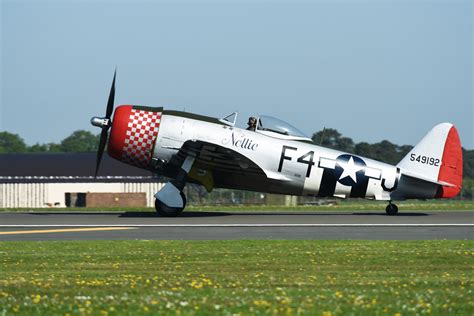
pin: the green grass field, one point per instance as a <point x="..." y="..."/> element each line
<point x="237" y="277"/>
<point x="350" y="205"/>
<point x="342" y="205"/>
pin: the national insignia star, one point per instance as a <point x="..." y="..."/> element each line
<point x="350" y="170"/>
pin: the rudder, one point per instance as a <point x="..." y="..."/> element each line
<point x="451" y="166"/>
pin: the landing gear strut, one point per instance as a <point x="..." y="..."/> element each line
<point x="170" y="200"/>
<point x="391" y="209"/>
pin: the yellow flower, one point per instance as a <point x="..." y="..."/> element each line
<point x="261" y="303"/>
<point x="196" y="284"/>
<point x="36" y="298"/>
<point x="359" y="300"/>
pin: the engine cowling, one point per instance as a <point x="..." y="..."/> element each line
<point x="134" y="133"/>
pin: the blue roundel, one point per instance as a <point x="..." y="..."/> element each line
<point x="350" y="170"/>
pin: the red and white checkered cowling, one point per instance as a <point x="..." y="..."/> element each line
<point x="133" y="134"/>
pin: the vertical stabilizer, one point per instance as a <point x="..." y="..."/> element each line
<point x="437" y="158"/>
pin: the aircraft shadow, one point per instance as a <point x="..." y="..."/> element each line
<point x="131" y="214"/>
<point x="183" y="214"/>
<point x="322" y="213"/>
<point x="217" y="214"/>
<point x="71" y="213"/>
<point x="400" y="214"/>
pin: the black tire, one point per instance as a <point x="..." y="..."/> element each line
<point x="391" y="209"/>
<point x="166" y="211"/>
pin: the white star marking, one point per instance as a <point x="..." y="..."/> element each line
<point x="350" y="170"/>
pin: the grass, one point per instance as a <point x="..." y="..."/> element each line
<point x="349" y="205"/>
<point x="342" y="205"/>
<point x="237" y="277"/>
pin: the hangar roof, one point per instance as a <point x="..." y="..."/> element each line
<point x="68" y="167"/>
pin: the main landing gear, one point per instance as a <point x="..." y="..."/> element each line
<point x="391" y="209"/>
<point x="170" y="200"/>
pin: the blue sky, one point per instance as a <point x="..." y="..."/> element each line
<point x="373" y="70"/>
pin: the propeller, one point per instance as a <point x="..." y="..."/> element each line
<point x="105" y="124"/>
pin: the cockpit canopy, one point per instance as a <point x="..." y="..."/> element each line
<point x="268" y="124"/>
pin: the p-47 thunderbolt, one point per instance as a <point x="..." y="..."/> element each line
<point x="270" y="156"/>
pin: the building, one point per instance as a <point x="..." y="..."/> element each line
<point x="65" y="179"/>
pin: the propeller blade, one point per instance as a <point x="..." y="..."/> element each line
<point x="105" y="127"/>
<point x="100" y="151"/>
<point x="110" y="102"/>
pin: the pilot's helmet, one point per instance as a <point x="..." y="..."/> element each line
<point x="252" y="120"/>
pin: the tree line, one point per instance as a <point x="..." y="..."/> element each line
<point x="79" y="141"/>
<point x="84" y="141"/>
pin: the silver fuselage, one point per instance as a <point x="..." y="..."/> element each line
<point x="291" y="165"/>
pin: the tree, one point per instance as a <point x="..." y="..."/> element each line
<point x="327" y="137"/>
<point x="331" y="138"/>
<point x="11" y="143"/>
<point x="44" y="148"/>
<point x="385" y="151"/>
<point x="38" y="148"/>
<point x="467" y="190"/>
<point x="345" y="144"/>
<point x="364" y="149"/>
<point x="468" y="162"/>
<point x="80" y="141"/>
<point x="404" y="150"/>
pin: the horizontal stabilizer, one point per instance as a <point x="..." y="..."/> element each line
<point x="423" y="178"/>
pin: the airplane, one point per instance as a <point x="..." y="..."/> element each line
<point x="271" y="156"/>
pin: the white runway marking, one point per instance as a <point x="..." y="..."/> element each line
<point x="239" y="225"/>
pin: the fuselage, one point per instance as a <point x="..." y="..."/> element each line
<point x="291" y="166"/>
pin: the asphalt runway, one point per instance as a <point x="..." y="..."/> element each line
<point x="408" y="225"/>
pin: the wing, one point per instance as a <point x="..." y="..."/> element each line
<point x="217" y="166"/>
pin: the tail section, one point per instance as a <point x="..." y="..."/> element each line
<point x="437" y="159"/>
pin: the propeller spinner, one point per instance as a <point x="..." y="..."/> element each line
<point x="105" y="124"/>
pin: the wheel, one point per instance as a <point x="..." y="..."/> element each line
<point x="391" y="209"/>
<point x="166" y="211"/>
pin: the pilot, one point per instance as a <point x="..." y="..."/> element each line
<point x="252" y="124"/>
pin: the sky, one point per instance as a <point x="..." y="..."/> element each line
<point x="373" y="70"/>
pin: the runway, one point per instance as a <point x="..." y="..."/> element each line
<point x="408" y="225"/>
